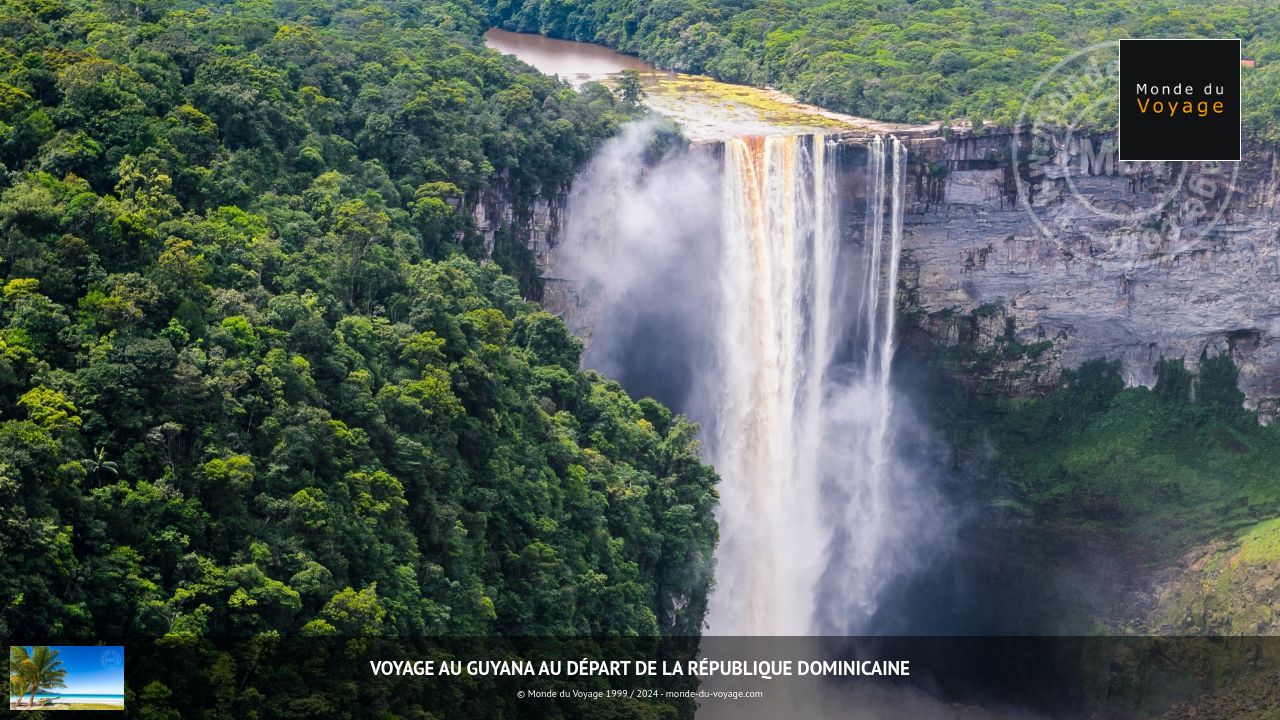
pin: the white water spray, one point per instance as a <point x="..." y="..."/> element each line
<point x="779" y="325"/>
<point x="870" y="527"/>
<point x="786" y="444"/>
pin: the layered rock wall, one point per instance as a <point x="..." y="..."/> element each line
<point x="1086" y="268"/>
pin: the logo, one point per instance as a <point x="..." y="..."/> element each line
<point x="111" y="658"/>
<point x="1180" y="100"/>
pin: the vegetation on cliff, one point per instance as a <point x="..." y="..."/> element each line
<point x="910" y="60"/>
<point x="1088" y="489"/>
<point x="1229" y="587"/>
<point x="255" y="373"/>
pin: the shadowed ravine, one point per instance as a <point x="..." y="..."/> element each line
<point x="749" y="280"/>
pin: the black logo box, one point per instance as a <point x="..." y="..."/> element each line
<point x="1188" y="66"/>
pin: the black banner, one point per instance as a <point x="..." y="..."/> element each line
<point x="714" y="677"/>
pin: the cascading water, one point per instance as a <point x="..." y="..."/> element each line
<point x="788" y="353"/>
<point x="868" y="524"/>
<point x="785" y="329"/>
<point x="776" y="264"/>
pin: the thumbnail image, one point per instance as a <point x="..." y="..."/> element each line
<point x="66" y="677"/>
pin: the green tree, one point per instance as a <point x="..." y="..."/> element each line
<point x="38" y="671"/>
<point x="630" y="88"/>
<point x="1217" y="386"/>
<point x="1173" y="380"/>
<point x="21" y="672"/>
<point x="99" y="463"/>
<point x="256" y="360"/>
<point x="50" y="409"/>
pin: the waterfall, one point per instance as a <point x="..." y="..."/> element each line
<point x="771" y="394"/>
<point x="733" y="286"/>
<point x="797" y="354"/>
<point x="870" y="526"/>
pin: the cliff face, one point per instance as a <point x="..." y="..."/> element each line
<point x="536" y="227"/>
<point x="1083" y="270"/>
<point x="1022" y="293"/>
<point x="539" y="228"/>
<point x="1228" y="587"/>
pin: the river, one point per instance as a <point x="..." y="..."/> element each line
<point x="707" y="110"/>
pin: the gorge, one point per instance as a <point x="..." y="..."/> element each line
<point x="971" y="241"/>
<point x="969" y="244"/>
<point x="776" y="334"/>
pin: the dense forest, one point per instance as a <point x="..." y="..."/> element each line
<point x="908" y="60"/>
<point x="257" y="373"/>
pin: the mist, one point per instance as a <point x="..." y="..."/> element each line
<point x="640" y="245"/>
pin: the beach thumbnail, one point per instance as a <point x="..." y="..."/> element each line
<point x="66" y="677"/>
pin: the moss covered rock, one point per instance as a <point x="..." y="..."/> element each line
<point x="1225" y="588"/>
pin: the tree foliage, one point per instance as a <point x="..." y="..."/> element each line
<point x="34" y="671"/>
<point x="907" y="60"/>
<point x="256" y="373"/>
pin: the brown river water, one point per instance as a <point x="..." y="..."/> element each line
<point x="706" y="109"/>
<point x="573" y="62"/>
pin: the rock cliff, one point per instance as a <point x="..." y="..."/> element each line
<point x="1081" y="265"/>
<point x="536" y="226"/>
